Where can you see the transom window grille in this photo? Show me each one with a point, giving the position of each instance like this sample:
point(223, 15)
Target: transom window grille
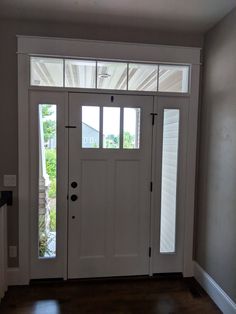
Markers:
point(77, 73)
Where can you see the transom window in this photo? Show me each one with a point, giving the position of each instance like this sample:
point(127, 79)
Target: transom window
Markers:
point(77, 73)
point(120, 127)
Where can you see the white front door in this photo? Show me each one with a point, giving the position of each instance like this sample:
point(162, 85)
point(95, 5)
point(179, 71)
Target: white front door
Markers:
point(110, 139)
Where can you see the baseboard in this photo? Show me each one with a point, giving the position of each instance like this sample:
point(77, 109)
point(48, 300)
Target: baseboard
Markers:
point(221, 299)
point(14, 277)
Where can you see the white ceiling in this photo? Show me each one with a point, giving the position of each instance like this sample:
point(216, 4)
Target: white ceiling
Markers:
point(169, 15)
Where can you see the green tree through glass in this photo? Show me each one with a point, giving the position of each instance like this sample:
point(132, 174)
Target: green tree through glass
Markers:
point(112, 141)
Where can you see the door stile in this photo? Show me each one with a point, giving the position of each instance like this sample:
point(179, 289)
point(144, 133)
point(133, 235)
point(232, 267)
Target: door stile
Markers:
point(152, 179)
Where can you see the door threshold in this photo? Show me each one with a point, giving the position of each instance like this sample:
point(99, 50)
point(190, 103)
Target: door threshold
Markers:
point(45, 281)
point(130, 278)
point(161, 276)
point(168, 275)
point(112, 278)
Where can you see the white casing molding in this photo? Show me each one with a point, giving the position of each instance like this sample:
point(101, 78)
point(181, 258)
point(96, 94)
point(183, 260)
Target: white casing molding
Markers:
point(62, 47)
point(82, 48)
point(217, 294)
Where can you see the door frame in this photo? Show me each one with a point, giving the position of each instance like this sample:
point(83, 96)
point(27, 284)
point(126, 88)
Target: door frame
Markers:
point(115, 51)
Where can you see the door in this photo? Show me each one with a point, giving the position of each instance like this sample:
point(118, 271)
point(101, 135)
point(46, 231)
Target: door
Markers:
point(110, 138)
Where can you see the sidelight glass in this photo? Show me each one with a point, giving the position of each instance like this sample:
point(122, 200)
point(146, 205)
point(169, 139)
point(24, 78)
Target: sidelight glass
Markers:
point(47, 193)
point(90, 126)
point(111, 127)
point(46, 71)
point(131, 133)
point(169, 180)
point(173, 78)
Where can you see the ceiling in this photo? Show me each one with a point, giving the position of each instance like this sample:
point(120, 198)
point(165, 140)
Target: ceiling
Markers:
point(195, 16)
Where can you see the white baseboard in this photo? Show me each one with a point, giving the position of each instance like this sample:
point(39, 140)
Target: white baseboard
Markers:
point(221, 299)
point(14, 277)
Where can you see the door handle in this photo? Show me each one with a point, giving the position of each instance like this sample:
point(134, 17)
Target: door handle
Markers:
point(74, 197)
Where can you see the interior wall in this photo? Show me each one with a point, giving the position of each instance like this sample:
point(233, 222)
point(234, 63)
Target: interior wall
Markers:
point(216, 213)
point(8, 87)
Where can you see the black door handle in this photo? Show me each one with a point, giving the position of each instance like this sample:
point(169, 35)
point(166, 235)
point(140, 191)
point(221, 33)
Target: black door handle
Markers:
point(74, 197)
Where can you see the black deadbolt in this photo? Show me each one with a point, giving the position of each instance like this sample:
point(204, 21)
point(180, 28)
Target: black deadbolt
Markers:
point(74, 184)
point(73, 197)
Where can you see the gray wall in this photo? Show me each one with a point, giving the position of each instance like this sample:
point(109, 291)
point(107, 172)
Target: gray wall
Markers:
point(8, 86)
point(216, 214)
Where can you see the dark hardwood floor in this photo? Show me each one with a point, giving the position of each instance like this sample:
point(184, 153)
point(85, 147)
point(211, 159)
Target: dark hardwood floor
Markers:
point(157, 295)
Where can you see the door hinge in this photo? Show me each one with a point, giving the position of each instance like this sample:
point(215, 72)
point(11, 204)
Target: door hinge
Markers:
point(153, 114)
point(150, 252)
point(151, 184)
point(67, 196)
point(70, 127)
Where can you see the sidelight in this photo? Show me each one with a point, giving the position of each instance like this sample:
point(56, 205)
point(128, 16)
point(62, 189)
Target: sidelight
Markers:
point(170, 148)
point(47, 193)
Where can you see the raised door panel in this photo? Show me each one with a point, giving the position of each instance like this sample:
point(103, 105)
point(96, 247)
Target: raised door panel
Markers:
point(127, 208)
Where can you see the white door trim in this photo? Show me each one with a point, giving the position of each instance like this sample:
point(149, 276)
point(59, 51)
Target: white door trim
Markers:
point(191, 172)
point(121, 51)
point(21, 277)
point(81, 48)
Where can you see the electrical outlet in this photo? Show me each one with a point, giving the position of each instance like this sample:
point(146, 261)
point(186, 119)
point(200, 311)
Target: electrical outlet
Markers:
point(12, 251)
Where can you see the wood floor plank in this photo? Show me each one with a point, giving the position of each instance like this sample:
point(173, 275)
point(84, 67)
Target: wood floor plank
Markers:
point(122, 296)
